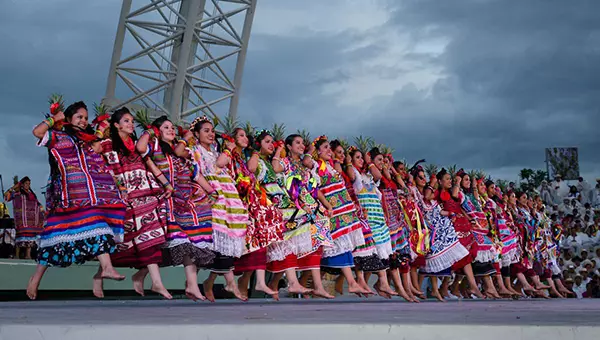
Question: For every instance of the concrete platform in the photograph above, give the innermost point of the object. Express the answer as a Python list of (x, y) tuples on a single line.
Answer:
[(345, 318)]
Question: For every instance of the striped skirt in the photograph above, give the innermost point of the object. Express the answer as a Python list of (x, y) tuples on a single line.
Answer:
[(229, 217), (371, 205)]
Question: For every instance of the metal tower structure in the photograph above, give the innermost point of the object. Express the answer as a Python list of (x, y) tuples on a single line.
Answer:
[(180, 57)]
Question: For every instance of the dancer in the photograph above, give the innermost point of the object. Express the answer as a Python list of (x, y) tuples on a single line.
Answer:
[(486, 252), (28, 213), (495, 207), (451, 198), (446, 250), (229, 215), (145, 217), (85, 211), (346, 231), (189, 229), (394, 218), (282, 256), (266, 221), (364, 256), (363, 178), (303, 191)]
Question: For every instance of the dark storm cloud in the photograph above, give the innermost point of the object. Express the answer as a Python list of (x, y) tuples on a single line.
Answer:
[(518, 77)]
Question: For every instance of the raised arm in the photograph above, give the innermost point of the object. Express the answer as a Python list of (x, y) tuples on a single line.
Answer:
[(40, 130), (253, 162)]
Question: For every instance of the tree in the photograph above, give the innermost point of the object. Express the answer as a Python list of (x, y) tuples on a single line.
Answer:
[(531, 179)]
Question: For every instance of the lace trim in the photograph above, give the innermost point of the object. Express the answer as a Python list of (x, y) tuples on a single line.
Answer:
[(227, 245), (511, 257), (299, 244), (484, 256), (54, 240), (445, 260), (345, 243)]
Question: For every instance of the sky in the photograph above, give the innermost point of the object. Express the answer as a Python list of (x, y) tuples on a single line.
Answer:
[(479, 83)]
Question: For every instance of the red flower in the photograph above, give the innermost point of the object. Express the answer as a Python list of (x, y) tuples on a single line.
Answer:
[(54, 107)]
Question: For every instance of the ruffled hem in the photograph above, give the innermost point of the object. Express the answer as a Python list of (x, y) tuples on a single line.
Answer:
[(384, 250), (228, 245), (76, 252), (445, 260), (175, 255), (484, 256), (345, 243), (299, 244), (512, 256)]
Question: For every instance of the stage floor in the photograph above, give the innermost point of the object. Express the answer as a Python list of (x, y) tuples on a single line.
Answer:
[(345, 317)]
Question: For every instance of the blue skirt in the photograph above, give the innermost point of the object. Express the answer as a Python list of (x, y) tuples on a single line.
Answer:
[(340, 261)]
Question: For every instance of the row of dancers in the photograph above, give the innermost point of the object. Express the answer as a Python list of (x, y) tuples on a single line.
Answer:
[(253, 203)]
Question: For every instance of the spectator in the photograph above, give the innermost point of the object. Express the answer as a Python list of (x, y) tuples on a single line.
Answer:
[(579, 287)]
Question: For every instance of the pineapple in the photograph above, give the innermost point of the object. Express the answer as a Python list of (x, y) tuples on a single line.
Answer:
[(278, 131), (15, 180), (229, 125), (363, 144), (431, 170), (56, 100), (249, 129), (142, 118), (452, 170), (305, 136)]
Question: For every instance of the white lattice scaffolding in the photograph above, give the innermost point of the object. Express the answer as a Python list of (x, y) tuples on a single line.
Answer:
[(180, 57)]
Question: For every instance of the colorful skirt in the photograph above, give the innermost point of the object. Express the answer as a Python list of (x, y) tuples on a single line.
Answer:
[(145, 233), (229, 217), (345, 227), (256, 260), (446, 250), (510, 244), (371, 205), (486, 251), (189, 233), (77, 235), (395, 222)]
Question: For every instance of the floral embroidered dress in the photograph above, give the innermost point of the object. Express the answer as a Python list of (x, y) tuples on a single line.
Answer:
[(85, 211), (510, 246), (29, 217), (229, 214), (146, 214), (462, 226), (302, 190), (526, 224), (189, 227), (369, 199), (446, 249), (346, 230), (266, 221), (296, 235), (486, 251)]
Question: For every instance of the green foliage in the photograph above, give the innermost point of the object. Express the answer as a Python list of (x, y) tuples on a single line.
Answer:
[(278, 131), (142, 118), (364, 144)]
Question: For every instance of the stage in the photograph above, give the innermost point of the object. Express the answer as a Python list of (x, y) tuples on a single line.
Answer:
[(343, 318)]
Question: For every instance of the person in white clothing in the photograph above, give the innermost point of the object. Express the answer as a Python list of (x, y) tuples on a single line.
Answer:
[(579, 287)]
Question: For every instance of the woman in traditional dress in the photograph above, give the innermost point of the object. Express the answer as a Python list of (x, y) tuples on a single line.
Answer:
[(266, 221), (364, 256), (486, 251), (526, 225), (363, 178), (346, 229), (446, 250), (545, 263), (451, 198), (495, 207), (394, 218), (145, 218), (282, 256), (28, 214), (189, 228), (304, 192), (229, 214), (85, 211)]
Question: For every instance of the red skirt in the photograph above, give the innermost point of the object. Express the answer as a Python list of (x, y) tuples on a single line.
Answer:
[(462, 263), (290, 262), (255, 260), (310, 261), (418, 262)]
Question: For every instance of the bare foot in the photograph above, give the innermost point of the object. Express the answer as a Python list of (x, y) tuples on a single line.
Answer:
[(415, 291), (243, 288), (112, 274), (505, 292), (366, 290), (160, 289), (381, 292), (138, 282), (32, 288), (322, 293), (541, 286), (438, 296), (208, 290), (265, 289), (193, 293), (233, 289), (476, 292), (98, 286), (297, 288), (354, 288)]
